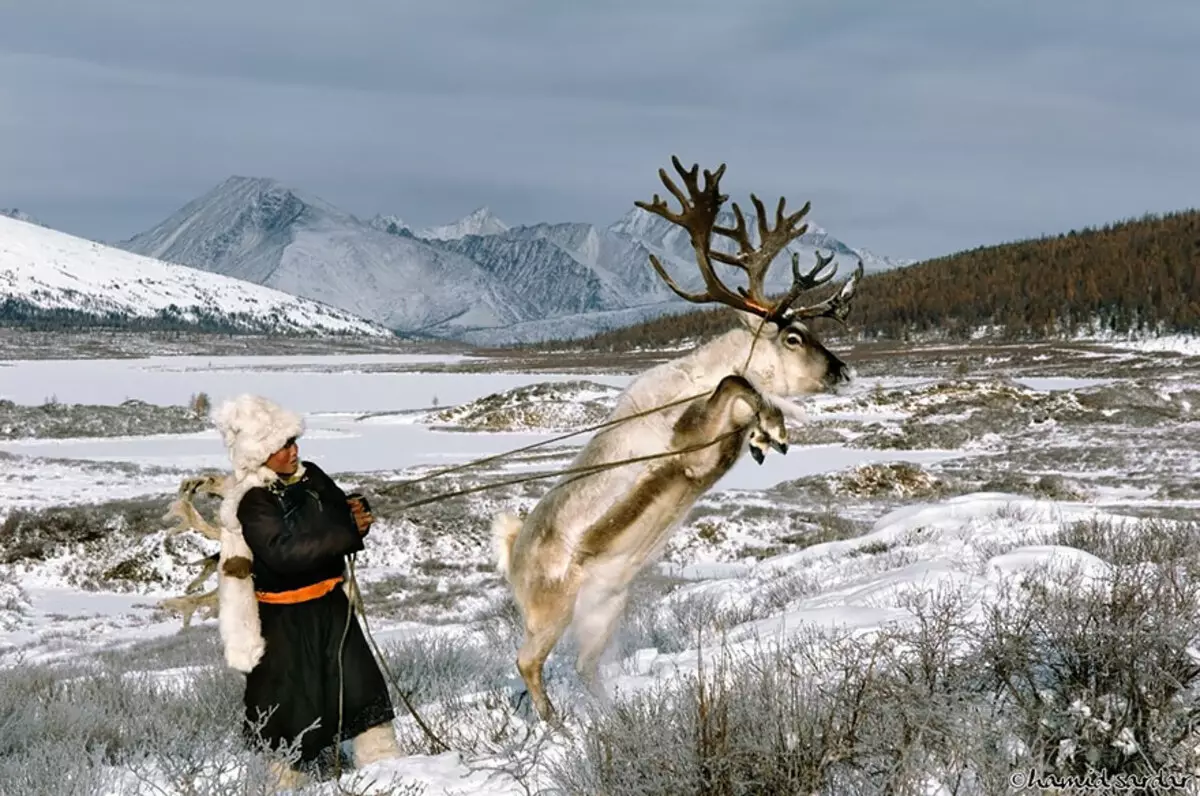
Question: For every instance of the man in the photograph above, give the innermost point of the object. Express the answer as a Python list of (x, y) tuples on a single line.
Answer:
[(286, 527)]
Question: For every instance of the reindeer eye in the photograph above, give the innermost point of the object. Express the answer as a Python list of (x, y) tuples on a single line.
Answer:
[(792, 340)]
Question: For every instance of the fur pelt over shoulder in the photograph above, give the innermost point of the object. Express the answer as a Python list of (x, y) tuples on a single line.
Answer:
[(253, 428)]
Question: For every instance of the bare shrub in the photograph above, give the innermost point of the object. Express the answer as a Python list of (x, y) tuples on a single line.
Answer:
[(1096, 674), (40, 533), (825, 526), (1050, 486), (110, 730), (1151, 541), (55, 420), (824, 711), (462, 689), (659, 619), (200, 404), (1063, 672), (891, 479), (14, 601)]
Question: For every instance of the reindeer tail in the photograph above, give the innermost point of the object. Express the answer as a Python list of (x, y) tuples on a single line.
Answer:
[(505, 528)]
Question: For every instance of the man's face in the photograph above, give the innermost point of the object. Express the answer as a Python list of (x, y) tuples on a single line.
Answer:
[(285, 460)]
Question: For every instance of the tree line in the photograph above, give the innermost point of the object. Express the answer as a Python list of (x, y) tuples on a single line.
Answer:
[(24, 314), (1138, 275)]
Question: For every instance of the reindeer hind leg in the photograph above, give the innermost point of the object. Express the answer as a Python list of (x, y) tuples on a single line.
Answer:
[(547, 614)]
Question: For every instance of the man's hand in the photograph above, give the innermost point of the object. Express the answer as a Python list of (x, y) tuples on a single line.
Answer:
[(362, 517)]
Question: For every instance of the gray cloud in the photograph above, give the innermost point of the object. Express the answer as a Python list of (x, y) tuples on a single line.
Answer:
[(915, 128)]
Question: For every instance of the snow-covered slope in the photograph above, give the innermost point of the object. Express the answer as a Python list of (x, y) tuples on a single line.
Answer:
[(547, 278), (18, 214), (261, 231), (45, 270), (621, 262)]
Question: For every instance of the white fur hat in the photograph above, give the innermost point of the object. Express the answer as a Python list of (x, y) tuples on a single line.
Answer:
[(253, 428)]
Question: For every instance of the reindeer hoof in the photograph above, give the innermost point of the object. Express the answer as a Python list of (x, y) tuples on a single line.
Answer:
[(757, 453)]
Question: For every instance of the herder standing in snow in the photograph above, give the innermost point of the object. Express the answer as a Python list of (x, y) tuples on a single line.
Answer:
[(286, 527)]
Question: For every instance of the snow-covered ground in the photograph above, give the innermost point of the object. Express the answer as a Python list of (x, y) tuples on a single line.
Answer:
[(902, 482)]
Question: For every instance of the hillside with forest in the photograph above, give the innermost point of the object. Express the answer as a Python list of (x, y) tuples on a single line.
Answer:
[(1140, 275)]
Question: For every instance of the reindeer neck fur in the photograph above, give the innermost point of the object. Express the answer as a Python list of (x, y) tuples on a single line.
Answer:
[(701, 370)]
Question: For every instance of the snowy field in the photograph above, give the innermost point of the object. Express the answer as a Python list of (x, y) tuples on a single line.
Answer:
[(943, 483)]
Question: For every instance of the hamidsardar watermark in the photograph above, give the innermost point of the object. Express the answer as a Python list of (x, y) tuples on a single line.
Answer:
[(1104, 782)]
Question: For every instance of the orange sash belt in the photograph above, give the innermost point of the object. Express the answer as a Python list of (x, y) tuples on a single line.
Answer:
[(300, 595)]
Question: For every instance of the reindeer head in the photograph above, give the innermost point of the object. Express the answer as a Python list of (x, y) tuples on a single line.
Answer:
[(788, 359), (791, 360)]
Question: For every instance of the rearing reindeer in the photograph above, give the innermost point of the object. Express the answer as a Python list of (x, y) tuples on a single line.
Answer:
[(573, 558)]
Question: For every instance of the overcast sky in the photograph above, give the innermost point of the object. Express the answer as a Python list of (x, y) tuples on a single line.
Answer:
[(915, 128)]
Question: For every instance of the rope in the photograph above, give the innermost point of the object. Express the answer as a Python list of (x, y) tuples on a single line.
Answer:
[(355, 601), (390, 488), (429, 733), (337, 738)]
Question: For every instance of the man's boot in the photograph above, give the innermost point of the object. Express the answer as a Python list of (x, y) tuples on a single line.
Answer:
[(377, 743)]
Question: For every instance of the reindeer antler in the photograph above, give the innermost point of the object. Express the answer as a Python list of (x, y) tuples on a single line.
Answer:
[(700, 207), (836, 306), (189, 518), (184, 512)]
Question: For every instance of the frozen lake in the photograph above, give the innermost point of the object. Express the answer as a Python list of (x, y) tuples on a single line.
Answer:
[(333, 392), (304, 383)]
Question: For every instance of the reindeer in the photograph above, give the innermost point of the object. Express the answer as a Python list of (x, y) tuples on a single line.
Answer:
[(571, 561)]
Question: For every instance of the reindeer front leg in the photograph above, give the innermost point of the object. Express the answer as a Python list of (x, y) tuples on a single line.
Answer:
[(735, 405)]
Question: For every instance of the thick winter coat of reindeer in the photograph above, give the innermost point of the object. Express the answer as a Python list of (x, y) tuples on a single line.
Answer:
[(572, 559)]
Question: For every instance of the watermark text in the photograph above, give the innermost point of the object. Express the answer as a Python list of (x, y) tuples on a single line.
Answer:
[(1105, 782)]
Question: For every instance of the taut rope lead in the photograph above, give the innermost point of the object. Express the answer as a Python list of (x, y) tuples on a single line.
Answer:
[(504, 455), (598, 426)]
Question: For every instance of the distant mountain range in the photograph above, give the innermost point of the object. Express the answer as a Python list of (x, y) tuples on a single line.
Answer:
[(478, 280), (54, 280)]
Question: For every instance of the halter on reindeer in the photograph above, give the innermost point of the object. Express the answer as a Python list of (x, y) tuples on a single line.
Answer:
[(571, 561)]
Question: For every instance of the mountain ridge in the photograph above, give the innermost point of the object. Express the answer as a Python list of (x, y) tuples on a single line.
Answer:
[(474, 278), (263, 231)]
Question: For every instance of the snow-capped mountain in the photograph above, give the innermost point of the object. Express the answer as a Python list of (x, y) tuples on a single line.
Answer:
[(262, 231), (478, 222), (477, 279), (44, 271)]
